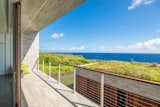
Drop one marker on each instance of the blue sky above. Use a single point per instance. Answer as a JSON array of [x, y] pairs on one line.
[[106, 26]]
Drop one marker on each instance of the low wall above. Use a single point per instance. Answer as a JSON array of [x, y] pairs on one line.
[[118, 90]]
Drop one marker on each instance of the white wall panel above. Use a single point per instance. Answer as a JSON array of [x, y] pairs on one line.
[[6, 53]]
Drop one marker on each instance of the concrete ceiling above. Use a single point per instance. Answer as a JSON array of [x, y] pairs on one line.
[[6, 15], [3, 15], [36, 14]]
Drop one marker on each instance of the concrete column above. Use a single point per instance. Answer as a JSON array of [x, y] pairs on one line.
[[31, 50]]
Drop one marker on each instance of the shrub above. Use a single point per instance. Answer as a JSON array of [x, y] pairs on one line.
[[24, 67], [154, 65]]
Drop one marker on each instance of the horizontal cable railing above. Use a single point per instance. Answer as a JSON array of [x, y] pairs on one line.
[[59, 71], [98, 91]]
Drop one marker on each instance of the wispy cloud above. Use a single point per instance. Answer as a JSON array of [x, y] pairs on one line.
[[77, 48], [71, 49], [57, 35], [148, 46], [136, 3]]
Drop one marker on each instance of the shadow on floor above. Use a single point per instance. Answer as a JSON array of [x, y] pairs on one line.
[[75, 104], [63, 90], [23, 100]]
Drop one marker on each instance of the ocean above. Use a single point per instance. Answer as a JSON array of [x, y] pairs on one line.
[[148, 58]]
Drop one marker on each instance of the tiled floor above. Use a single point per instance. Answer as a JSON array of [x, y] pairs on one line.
[[6, 91]]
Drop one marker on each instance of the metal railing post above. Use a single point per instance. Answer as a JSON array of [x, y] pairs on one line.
[[38, 65], [43, 65], [102, 91], [49, 68], [59, 73], [74, 81]]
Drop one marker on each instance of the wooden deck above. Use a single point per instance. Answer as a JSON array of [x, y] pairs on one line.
[[41, 91]]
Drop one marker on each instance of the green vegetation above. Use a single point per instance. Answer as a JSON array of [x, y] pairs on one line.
[[54, 68], [144, 71], [63, 59], [66, 78], [24, 67]]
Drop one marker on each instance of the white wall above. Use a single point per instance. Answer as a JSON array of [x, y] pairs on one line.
[[30, 51], [6, 53]]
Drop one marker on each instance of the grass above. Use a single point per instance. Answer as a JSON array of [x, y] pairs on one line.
[[24, 67], [66, 71], [54, 68], [144, 71], [63, 58], [57, 59], [66, 78]]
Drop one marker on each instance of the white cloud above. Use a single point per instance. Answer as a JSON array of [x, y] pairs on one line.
[[136, 3], [101, 48], [73, 48], [98, 49], [148, 46], [148, 1], [77, 48], [57, 35], [62, 48]]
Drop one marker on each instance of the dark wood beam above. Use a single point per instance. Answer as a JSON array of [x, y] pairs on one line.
[[18, 53]]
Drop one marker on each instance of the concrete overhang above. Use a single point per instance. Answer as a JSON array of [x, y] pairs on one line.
[[6, 15], [36, 14], [3, 15]]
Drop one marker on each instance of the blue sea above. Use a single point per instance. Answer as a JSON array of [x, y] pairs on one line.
[[149, 58]]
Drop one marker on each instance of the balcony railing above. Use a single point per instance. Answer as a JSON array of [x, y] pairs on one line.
[[109, 90]]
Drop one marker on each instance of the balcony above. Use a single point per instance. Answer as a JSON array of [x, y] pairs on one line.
[[40, 90], [90, 88]]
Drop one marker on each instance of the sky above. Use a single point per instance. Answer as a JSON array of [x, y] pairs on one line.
[[121, 26]]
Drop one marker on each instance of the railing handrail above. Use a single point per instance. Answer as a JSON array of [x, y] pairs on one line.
[[114, 74], [118, 75], [154, 100], [108, 73]]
